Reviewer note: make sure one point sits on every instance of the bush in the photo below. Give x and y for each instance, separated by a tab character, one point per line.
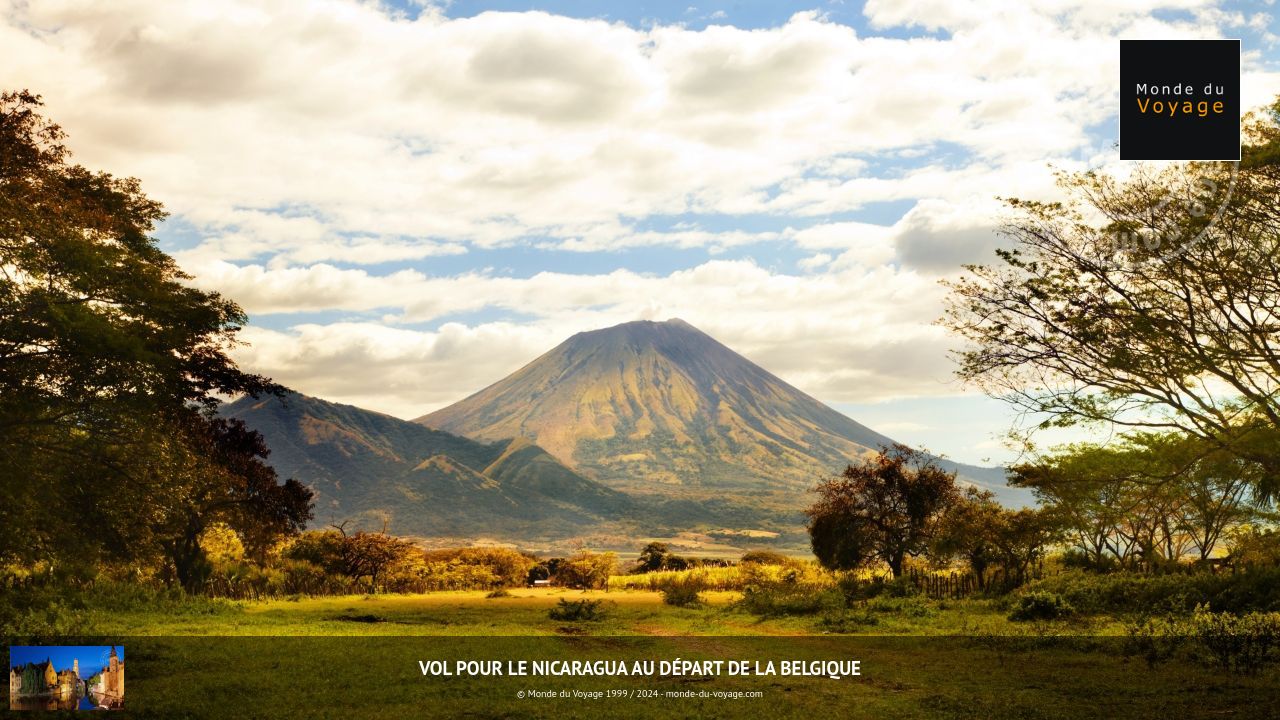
1238	643
1156	639
1251	546
1256	589
577	611
683	591
1040	606
899	587
914	606
499	593
794	600
765	557
845	621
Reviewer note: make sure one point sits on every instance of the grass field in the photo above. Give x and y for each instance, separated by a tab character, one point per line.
357	656
525	612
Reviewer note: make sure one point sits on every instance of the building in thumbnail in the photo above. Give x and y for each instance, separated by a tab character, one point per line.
33	678
110	685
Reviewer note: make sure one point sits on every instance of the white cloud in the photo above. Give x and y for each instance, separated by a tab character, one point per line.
856	335
301	139
506	126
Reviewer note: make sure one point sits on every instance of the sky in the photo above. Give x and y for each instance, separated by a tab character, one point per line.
92	657
412	200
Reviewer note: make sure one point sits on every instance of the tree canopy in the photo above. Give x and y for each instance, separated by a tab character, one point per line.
1151	302
111	369
883	510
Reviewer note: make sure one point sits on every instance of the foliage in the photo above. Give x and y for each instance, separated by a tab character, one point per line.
774	590
1039	605
111	366
578	611
1143	501
1255	589
383	562
221	544
1242	644
715	578
885	510
587	570
1239	643
978	530
765	557
1155	638
1255	546
684	591
655	556
1147	302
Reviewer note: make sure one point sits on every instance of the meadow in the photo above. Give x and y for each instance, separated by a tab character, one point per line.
525	612
356	656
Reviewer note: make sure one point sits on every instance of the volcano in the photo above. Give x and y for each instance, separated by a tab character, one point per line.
662	408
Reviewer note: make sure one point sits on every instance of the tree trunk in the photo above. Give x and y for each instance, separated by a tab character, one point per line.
895	564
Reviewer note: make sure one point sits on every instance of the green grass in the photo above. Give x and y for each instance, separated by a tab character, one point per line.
628	612
356	656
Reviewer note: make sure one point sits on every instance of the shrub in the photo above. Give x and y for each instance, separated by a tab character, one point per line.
1239	643
1256	589
1155	639
1038	605
499	593
899	587
683	591
577	611
1236	643
765	557
1252	546
793	600
914	606
845	621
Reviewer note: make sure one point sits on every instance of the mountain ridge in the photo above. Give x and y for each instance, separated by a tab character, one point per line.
663	408
370	467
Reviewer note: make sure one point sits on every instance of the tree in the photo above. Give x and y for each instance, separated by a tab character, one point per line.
1162	315
654	556
1215	488
587	570
1147	498
111	369
884	510
968	530
214	474
1020	538
369	554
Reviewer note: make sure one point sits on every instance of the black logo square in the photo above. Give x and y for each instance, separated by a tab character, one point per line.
1179	99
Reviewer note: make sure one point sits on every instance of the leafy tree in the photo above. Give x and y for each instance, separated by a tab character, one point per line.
1214	488
986	534
654	556
967	530
587	570
111	367
884	510
1020	539
1137	303
213	472
1145	499
221	544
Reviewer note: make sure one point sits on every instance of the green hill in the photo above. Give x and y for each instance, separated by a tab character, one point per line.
368	467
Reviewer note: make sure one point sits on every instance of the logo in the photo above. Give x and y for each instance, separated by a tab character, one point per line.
1180	100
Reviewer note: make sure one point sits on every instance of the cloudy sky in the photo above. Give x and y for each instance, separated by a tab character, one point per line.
413	199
